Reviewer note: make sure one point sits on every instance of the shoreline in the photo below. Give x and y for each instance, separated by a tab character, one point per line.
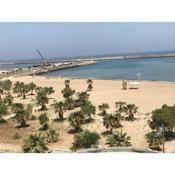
79	78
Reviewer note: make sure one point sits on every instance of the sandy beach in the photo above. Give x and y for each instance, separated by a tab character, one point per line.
149	96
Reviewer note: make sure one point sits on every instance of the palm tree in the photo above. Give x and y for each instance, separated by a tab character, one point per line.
103	107
52	136
8	99
24	90
89	82
131	109
3	111
88	109
6	85
67	92
83	97
21	117
49	90
112	121
1	92
42	100
17	88
35	143
120	107
32	87
21	89
16	107
118	139
43	119
76	120
59	108
67	83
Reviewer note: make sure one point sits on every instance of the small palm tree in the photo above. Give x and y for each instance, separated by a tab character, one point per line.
67	92
32	87
43	119
35	143
59	108
89	82
67	83
83	97
103	107
42	100
111	121
52	136
24	90
69	104
21	117
3	111
49	90
17	107
88	109
76	120
1	92
120	107
118	139
131	109
8	99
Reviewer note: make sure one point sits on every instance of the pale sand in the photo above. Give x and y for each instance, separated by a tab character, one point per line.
149	96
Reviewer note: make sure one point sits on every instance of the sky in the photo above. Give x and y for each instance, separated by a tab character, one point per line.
20	40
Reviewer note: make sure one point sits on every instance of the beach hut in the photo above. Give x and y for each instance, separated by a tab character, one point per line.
134	84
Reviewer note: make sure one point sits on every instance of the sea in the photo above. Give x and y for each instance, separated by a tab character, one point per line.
151	69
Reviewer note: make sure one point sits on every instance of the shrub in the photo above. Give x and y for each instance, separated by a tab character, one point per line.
155	139
85	140
164	116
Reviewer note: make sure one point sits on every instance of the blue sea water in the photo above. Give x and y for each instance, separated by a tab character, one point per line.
153	69
158	69
14	66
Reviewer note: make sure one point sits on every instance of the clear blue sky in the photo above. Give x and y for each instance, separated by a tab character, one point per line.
20	40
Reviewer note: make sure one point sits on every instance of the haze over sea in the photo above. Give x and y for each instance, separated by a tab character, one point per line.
152	69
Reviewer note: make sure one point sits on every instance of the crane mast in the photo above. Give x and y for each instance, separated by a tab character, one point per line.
45	62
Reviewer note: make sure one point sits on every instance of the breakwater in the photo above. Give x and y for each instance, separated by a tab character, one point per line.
43	69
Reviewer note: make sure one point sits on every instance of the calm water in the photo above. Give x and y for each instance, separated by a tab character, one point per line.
13	66
150	69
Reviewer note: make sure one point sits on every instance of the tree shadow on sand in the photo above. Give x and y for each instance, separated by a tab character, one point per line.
73	131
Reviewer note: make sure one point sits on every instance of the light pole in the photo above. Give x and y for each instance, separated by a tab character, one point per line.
163	138
139	75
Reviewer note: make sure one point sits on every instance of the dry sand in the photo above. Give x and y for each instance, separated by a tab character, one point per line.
149	96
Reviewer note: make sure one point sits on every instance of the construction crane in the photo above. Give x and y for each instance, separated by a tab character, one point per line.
45	62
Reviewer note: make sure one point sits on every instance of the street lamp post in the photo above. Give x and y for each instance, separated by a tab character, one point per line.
139	74
163	138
